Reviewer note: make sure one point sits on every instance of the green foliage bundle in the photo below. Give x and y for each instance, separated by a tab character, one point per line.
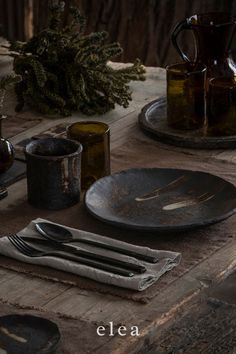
64	70
5	82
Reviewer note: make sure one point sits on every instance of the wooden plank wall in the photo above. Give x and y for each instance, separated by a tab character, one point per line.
16	19
143	27
12	19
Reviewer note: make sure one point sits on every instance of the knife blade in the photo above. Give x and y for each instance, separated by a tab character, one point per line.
138	268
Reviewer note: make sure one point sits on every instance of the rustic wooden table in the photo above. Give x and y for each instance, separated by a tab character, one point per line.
93	307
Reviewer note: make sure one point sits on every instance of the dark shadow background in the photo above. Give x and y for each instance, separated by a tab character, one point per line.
142	27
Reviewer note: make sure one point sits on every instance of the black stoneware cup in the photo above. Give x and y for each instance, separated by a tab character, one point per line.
53	173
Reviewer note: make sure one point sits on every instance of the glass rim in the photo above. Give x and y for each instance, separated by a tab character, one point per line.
90	122
232	19
218	82
202	68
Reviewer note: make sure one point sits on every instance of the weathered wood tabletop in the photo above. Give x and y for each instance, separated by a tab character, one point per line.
27	291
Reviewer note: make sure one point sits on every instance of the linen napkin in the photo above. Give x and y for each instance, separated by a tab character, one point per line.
167	259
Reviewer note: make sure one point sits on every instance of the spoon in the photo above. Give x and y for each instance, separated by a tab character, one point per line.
60	234
138	268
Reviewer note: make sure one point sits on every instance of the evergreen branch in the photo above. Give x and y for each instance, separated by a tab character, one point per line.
63	69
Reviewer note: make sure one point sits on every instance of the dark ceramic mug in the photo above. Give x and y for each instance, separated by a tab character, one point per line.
53	173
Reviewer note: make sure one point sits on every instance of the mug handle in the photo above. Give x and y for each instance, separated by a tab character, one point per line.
182	25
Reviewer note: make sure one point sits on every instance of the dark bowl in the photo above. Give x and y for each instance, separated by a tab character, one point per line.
21	334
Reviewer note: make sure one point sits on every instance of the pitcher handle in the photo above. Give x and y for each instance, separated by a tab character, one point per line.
182	25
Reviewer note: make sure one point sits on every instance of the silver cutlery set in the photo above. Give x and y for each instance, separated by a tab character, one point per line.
53	245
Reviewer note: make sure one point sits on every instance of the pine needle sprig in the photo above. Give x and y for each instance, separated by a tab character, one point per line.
5	83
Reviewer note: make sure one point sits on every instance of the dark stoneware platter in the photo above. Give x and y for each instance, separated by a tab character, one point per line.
153	120
21	334
159	199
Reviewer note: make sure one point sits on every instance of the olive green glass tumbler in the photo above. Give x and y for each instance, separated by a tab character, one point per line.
95	139
186	107
221	107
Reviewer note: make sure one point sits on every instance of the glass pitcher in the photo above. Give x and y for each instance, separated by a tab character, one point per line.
213	33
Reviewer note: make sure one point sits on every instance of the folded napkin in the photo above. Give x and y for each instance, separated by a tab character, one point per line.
167	259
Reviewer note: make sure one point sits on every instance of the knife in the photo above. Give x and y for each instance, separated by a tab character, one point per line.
138	268
121	250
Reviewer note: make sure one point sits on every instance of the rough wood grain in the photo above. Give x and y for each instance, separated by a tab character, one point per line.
98	308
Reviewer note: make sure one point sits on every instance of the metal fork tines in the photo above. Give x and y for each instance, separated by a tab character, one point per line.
31	251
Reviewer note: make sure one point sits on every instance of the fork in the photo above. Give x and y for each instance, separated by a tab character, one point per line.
30	251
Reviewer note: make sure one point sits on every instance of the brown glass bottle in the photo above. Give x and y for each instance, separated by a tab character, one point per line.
6	151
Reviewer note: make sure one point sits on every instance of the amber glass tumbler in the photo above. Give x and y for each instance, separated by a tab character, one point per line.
221	106
186	107
95	139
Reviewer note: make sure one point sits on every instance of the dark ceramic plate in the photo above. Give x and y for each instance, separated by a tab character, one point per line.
21	334
161	199
153	120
